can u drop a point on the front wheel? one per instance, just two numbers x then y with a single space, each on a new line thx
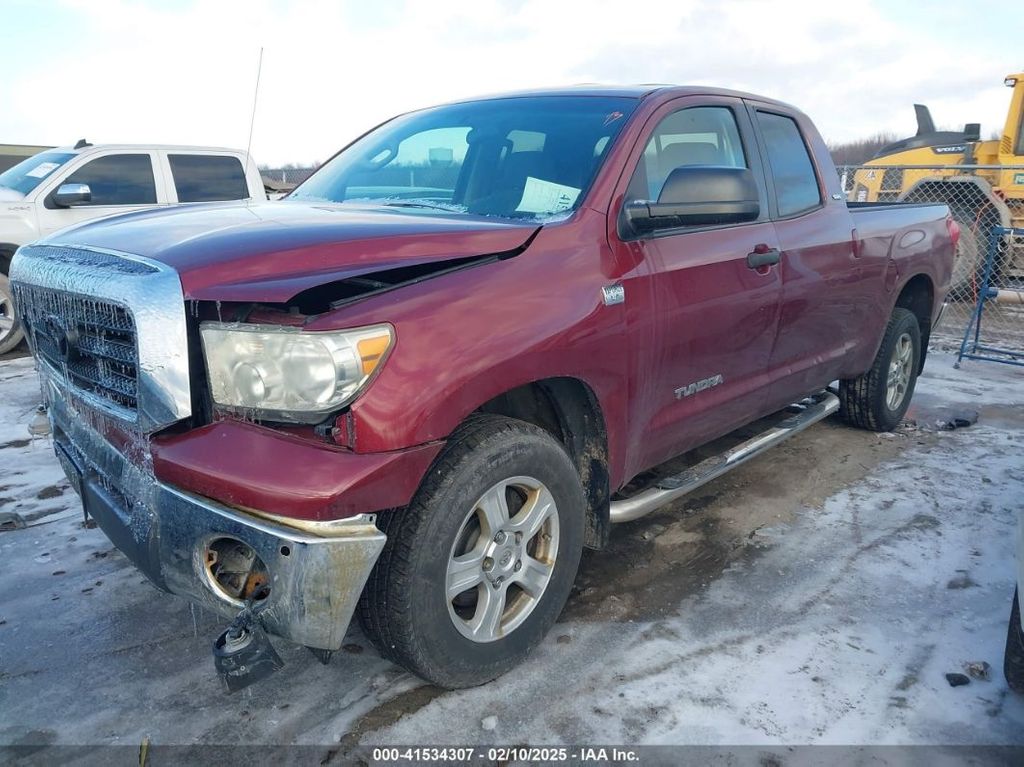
477 568
878 399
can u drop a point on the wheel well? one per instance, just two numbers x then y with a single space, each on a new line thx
918 296
568 409
6 254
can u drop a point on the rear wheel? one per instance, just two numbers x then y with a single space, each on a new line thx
477 568
10 328
879 399
1013 662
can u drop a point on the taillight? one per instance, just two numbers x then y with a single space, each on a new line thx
954 230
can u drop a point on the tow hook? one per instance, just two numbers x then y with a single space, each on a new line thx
242 654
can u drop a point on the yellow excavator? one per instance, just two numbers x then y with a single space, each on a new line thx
981 181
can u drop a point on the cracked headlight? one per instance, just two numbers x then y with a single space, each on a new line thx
289 374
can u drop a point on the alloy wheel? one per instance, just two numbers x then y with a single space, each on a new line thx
502 559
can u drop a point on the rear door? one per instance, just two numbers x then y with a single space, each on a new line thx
827 288
119 182
701 321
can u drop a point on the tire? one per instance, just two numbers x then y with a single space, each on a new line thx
971 250
405 607
867 401
968 261
10 329
1013 661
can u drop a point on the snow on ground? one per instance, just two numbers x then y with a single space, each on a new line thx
30 478
817 595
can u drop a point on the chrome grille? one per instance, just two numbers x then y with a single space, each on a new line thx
107 327
90 343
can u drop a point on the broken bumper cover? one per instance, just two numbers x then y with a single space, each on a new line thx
316 574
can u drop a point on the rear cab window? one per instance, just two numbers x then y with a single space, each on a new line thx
789 164
208 178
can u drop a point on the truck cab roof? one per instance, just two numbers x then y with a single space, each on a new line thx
637 91
86 148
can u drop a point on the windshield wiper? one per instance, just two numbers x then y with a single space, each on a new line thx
429 206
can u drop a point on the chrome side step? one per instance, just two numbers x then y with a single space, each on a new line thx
810 411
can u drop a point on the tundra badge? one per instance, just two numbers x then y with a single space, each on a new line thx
698 386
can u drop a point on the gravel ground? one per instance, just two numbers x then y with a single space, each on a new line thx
817 595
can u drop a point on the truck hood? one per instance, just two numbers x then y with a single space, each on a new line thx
271 251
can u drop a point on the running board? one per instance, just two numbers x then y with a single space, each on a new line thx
811 410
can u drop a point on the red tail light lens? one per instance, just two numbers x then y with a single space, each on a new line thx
954 230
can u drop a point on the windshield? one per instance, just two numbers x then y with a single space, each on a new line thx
530 158
28 174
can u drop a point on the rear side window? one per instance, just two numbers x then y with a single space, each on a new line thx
208 178
118 179
796 186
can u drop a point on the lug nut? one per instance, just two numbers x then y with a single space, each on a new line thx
519 566
500 537
497 581
488 564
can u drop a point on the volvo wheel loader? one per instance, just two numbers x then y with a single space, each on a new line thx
981 181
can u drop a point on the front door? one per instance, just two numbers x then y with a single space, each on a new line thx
702 320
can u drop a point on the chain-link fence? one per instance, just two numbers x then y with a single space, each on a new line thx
976 200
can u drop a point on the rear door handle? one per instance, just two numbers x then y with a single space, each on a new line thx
763 256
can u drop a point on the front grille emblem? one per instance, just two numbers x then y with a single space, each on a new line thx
66 338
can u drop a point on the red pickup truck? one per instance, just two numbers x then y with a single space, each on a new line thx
420 385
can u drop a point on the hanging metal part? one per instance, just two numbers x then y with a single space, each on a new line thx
39 424
242 654
669 489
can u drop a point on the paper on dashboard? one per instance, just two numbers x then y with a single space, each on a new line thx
43 169
541 196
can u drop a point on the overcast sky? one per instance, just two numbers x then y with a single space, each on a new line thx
174 71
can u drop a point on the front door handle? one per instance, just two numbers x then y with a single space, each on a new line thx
762 255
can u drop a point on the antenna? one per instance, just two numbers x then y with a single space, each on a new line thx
255 96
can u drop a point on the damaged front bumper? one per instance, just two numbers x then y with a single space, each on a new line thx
312 576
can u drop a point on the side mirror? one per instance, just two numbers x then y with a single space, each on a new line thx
69 195
698 195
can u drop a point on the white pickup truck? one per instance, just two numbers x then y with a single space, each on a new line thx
69 185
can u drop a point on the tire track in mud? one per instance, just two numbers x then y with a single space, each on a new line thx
656 564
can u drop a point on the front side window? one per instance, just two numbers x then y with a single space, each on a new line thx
208 178
796 185
118 179
523 158
694 136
